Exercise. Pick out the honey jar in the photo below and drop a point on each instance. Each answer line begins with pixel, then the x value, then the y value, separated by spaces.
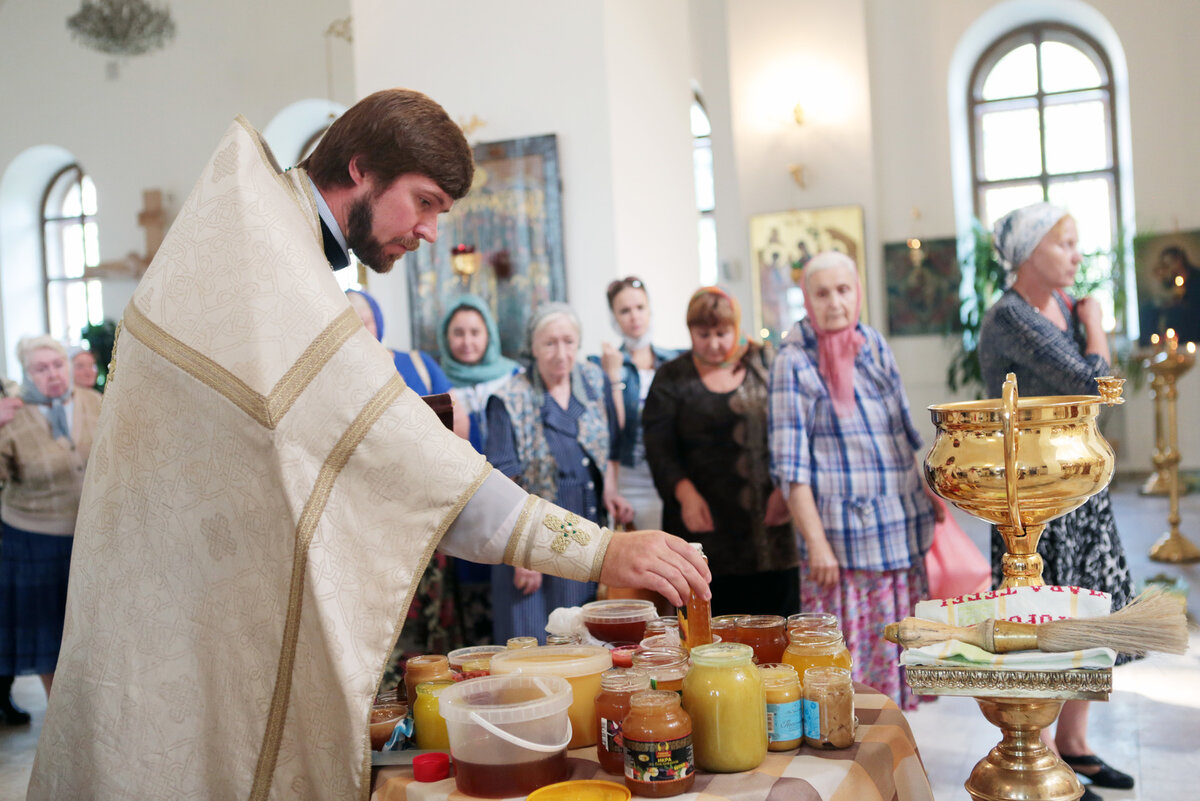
pixel 808 649
pixel 828 708
pixel 612 705
pixel 813 621
pixel 765 634
pixel 785 722
pixel 659 756
pixel 725 626
pixel 428 724
pixel 432 667
pixel 665 666
pixel 723 692
pixel 520 642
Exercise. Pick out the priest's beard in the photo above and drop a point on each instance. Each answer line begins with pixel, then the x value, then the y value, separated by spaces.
pixel 361 238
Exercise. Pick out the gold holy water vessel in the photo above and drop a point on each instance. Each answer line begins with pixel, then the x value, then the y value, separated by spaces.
pixel 1018 463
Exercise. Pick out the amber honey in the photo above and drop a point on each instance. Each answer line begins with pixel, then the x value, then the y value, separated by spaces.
pixel 509 779
pixel 816 649
pixel 612 705
pixel 725 626
pixel 666 667
pixel 765 634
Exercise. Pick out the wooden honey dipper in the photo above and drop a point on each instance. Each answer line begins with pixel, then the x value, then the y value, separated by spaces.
pixel 1154 621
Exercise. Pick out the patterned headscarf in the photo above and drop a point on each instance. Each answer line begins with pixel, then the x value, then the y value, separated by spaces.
pixel 740 342
pixel 836 350
pixel 493 365
pixel 1017 234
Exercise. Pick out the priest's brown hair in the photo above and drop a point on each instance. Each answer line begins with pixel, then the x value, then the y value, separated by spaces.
pixel 393 132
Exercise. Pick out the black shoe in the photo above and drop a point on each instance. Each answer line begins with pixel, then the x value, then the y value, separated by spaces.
pixel 11 714
pixel 1088 795
pixel 1104 774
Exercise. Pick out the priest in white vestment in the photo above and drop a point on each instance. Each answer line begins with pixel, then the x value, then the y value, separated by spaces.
pixel 264 491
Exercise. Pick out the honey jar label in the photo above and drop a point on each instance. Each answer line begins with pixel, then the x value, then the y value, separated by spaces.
pixel 660 760
pixel 784 722
pixel 610 735
pixel 812 719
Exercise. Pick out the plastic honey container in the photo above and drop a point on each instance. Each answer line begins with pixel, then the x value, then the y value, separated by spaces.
pixel 580 665
pixel 618 620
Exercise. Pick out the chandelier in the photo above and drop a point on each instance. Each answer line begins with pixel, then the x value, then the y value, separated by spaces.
pixel 122 27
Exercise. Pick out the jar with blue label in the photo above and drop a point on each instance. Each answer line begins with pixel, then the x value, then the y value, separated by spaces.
pixel 828 708
pixel 785 722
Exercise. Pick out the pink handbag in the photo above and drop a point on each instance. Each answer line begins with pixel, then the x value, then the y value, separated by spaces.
pixel 954 565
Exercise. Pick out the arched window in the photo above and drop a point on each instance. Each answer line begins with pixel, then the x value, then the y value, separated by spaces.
pixel 706 196
pixel 1042 128
pixel 70 244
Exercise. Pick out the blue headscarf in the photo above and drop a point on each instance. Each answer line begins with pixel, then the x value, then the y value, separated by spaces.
pixel 376 312
pixel 493 364
pixel 58 411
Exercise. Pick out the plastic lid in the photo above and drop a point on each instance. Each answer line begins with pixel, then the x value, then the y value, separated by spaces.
pixel 585 790
pixel 461 656
pixel 554 660
pixel 720 654
pixel 513 698
pixel 432 767
pixel 619 611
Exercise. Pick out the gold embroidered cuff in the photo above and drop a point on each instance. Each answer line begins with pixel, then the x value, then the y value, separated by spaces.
pixel 549 539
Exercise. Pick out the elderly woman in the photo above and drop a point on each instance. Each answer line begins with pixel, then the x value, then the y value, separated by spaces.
pixel 83 368
pixel 1056 346
pixel 44 445
pixel 844 446
pixel 631 370
pixel 469 345
pixel 553 429
pixel 705 427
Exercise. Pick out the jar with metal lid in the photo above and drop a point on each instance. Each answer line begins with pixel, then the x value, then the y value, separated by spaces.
pixel 828 708
pixel 428 724
pixel 612 705
pixel 785 722
pixel 723 692
pixel 430 667
pixel 659 757
pixel 807 649
pixel 665 666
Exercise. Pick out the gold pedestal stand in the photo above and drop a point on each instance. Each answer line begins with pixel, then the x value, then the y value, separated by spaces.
pixel 1168 365
pixel 1018 463
pixel 1158 482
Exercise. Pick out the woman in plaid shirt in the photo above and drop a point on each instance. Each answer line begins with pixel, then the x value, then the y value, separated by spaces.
pixel 842 449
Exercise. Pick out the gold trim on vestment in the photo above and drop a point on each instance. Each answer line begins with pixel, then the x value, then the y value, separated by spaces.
pixel 267 411
pixel 314 508
pixel 510 550
pixel 606 536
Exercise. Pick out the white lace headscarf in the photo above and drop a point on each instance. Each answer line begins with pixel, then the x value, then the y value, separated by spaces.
pixel 1018 233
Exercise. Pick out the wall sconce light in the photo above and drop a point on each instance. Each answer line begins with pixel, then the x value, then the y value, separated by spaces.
pixel 797 170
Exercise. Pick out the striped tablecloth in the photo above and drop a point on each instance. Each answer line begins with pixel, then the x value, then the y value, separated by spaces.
pixel 882 765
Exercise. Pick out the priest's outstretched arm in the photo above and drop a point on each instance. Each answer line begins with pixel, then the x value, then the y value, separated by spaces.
pixel 503 523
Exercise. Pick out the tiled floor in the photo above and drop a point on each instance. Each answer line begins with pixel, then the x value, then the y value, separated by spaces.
pixel 1150 727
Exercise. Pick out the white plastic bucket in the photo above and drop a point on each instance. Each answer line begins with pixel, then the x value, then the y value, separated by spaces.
pixel 508 734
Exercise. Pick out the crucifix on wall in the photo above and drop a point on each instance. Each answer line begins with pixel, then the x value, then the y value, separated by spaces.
pixel 153 218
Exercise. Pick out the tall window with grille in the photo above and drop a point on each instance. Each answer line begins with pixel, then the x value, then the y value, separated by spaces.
pixel 1041 112
pixel 70 244
pixel 706 196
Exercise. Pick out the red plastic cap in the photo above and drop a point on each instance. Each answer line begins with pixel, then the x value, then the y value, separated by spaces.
pixel 431 767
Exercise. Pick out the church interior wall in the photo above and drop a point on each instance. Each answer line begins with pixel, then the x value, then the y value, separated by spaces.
pixel 612 80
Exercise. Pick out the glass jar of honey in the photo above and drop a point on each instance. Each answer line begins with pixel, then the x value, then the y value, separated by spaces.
pixel 659 758
pixel 765 634
pixel 664 625
pixel 808 649
pixel 666 667
pixel 612 705
pixel 785 722
pixel 813 621
pixel 723 692
pixel 428 724
pixel 563 639
pixel 432 667
pixel 520 642
pixel 386 716
pixel 828 708
pixel 725 626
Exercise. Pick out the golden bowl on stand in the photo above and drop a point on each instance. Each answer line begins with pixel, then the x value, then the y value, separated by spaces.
pixel 1018 463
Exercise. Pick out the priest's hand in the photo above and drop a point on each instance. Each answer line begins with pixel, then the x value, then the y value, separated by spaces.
pixel 526 580
pixel 655 560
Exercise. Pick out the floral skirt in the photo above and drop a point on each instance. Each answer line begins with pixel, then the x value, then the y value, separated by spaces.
pixel 865 601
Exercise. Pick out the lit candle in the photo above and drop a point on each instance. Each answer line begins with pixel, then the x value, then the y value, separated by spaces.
pixel 1172 341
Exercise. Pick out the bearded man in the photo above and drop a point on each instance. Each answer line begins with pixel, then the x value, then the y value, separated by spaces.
pixel 264 491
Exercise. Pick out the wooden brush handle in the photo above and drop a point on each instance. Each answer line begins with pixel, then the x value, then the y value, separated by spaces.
pixel 997 637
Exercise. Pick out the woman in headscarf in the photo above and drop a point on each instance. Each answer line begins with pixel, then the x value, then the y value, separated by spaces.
pixel 420 372
pixel 45 441
pixel 844 448
pixel 469 345
pixel 631 370
pixel 1056 346
pixel 705 427
pixel 553 429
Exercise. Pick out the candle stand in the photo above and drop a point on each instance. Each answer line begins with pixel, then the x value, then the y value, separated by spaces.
pixel 1168 365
